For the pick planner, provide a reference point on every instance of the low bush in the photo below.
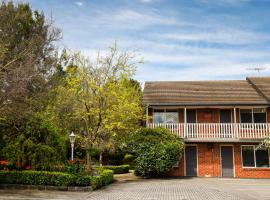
(156, 150)
(120, 169)
(71, 167)
(37, 178)
(105, 178)
(74, 168)
(83, 180)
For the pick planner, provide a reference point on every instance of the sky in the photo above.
(177, 39)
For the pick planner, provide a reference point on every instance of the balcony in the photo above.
(217, 131)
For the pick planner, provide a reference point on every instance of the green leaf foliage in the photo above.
(156, 150)
(105, 177)
(129, 159)
(38, 144)
(120, 169)
(37, 178)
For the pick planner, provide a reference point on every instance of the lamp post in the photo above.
(72, 141)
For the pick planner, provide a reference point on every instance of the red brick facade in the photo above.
(213, 126)
(247, 172)
(209, 159)
(209, 162)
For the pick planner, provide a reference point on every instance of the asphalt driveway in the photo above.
(169, 189)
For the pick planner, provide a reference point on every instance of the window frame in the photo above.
(254, 152)
(165, 116)
(252, 114)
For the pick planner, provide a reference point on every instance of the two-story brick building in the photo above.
(221, 123)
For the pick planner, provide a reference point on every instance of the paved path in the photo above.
(154, 189)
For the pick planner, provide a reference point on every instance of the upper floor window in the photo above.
(255, 115)
(166, 117)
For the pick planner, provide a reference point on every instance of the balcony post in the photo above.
(147, 116)
(185, 122)
(235, 125)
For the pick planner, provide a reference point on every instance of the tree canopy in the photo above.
(44, 94)
(100, 97)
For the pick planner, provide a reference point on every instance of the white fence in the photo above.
(217, 130)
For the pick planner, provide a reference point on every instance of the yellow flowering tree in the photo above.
(101, 98)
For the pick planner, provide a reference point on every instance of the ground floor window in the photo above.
(253, 157)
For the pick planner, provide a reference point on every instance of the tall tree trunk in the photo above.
(88, 160)
(100, 158)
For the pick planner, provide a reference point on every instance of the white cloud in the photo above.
(165, 61)
(222, 35)
(182, 51)
(79, 3)
(131, 19)
(200, 72)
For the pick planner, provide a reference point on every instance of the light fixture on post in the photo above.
(72, 141)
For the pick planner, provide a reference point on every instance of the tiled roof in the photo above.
(262, 85)
(205, 92)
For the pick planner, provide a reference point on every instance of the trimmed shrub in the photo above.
(120, 169)
(83, 180)
(156, 150)
(37, 178)
(56, 178)
(105, 178)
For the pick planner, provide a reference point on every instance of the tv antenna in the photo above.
(257, 69)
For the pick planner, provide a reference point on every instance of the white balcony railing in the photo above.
(217, 130)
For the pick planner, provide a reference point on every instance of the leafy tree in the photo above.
(27, 61)
(156, 151)
(37, 144)
(101, 98)
(27, 49)
(266, 143)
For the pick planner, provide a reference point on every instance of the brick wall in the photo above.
(247, 172)
(209, 163)
(208, 160)
(208, 115)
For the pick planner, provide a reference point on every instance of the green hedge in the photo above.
(37, 178)
(56, 178)
(120, 169)
(105, 178)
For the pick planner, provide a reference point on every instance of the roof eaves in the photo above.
(258, 90)
(209, 104)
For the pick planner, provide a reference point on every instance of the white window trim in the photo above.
(165, 116)
(252, 114)
(254, 152)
